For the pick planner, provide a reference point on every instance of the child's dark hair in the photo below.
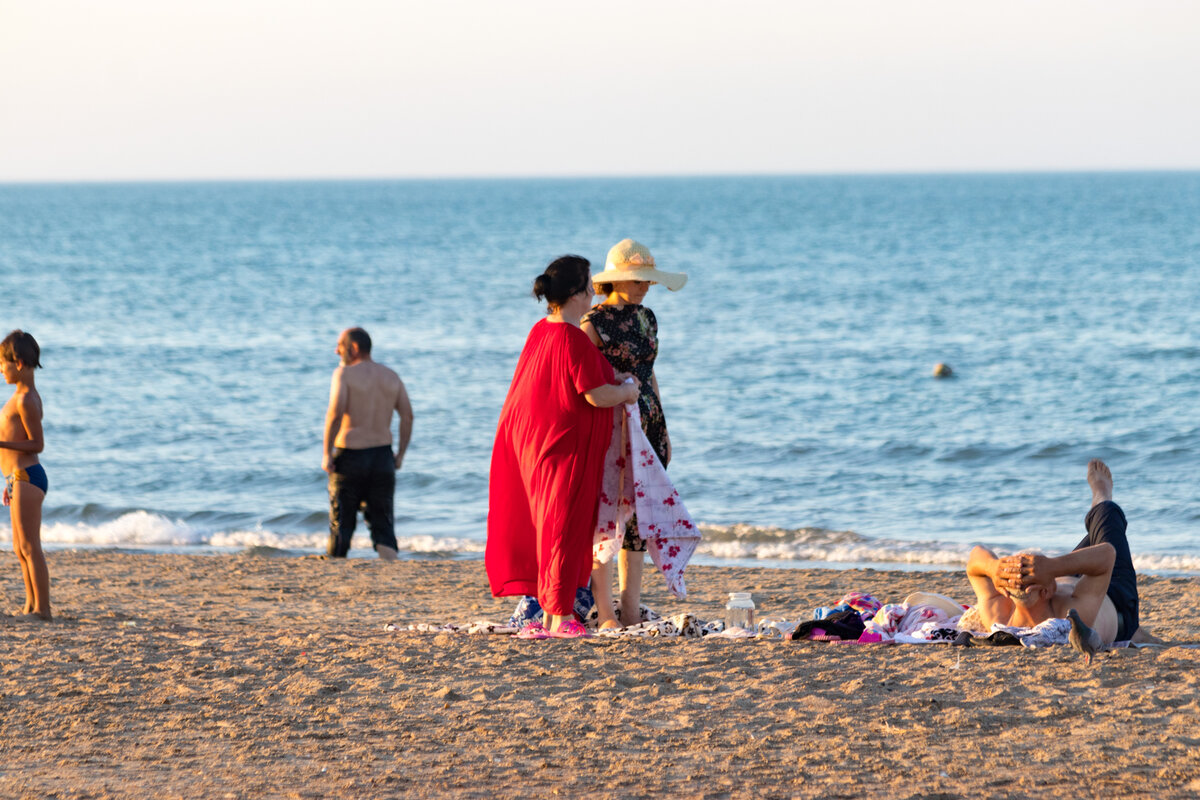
(20, 346)
(565, 277)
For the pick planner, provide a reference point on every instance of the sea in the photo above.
(188, 334)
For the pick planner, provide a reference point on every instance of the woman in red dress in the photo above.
(548, 458)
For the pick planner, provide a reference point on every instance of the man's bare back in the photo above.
(362, 397)
(372, 392)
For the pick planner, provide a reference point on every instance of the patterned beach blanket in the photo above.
(687, 626)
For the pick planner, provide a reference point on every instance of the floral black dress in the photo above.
(629, 340)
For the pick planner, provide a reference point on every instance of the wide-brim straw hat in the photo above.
(630, 261)
(947, 604)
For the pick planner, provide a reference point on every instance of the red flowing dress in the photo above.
(547, 465)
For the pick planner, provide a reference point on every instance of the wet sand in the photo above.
(259, 677)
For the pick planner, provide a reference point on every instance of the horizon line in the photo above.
(600, 176)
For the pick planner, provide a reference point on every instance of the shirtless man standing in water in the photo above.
(1096, 578)
(358, 445)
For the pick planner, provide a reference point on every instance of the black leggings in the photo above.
(361, 476)
(1106, 523)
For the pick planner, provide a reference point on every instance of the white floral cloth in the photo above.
(635, 481)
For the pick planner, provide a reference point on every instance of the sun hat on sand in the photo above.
(947, 604)
(630, 261)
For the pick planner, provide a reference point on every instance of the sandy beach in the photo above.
(257, 676)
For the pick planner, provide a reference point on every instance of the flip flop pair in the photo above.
(570, 629)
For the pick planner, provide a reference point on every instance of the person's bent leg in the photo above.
(1105, 522)
(27, 517)
(380, 497)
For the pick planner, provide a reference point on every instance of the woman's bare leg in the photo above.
(602, 593)
(632, 563)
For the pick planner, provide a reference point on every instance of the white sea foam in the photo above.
(433, 544)
(137, 528)
(143, 529)
(1152, 562)
(265, 538)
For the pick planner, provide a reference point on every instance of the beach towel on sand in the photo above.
(635, 480)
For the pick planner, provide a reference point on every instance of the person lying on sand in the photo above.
(1097, 578)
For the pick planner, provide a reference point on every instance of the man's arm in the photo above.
(404, 410)
(1093, 564)
(333, 417)
(983, 571)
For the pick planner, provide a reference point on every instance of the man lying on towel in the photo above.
(1096, 578)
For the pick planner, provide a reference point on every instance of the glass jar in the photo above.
(739, 611)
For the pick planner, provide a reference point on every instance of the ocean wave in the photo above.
(1153, 562)
(745, 533)
(738, 542)
(136, 528)
(743, 541)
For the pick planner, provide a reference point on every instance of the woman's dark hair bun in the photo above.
(564, 277)
(541, 285)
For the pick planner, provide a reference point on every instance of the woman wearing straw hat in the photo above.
(627, 334)
(548, 457)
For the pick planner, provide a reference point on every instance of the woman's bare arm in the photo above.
(610, 395)
(587, 327)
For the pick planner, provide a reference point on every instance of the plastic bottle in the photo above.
(739, 611)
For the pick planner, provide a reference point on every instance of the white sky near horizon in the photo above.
(166, 89)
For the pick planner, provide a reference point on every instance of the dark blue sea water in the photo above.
(188, 336)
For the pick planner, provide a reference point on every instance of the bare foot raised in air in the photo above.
(1100, 479)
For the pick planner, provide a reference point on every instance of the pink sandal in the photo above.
(533, 630)
(570, 629)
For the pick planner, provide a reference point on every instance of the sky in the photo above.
(227, 89)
